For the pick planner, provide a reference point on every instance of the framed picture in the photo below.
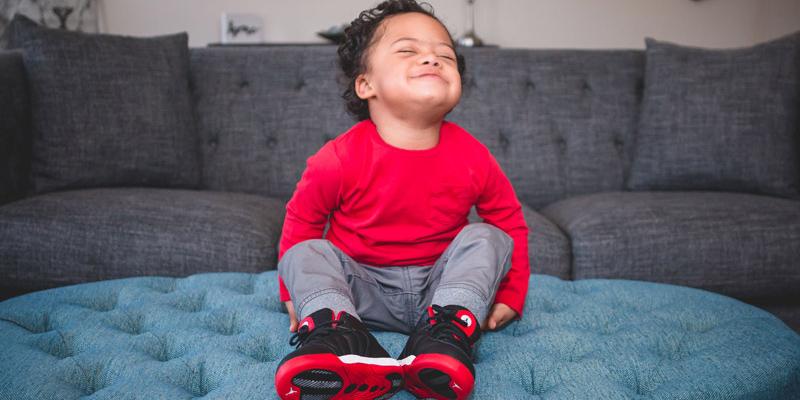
(241, 28)
(75, 15)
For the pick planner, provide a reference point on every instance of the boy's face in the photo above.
(411, 69)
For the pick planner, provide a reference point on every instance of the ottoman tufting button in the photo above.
(196, 382)
(161, 348)
(260, 349)
(55, 344)
(224, 323)
(164, 285)
(192, 302)
(132, 324)
(90, 376)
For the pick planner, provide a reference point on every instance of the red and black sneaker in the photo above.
(336, 358)
(437, 360)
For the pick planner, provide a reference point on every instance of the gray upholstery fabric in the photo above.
(720, 119)
(548, 247)
(559, 122)
(86, 235)
(15, 139)
(743, 245)
(108, 110)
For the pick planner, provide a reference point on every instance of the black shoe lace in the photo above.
(305, 336)
(443, 329)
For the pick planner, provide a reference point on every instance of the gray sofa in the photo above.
(563, 124)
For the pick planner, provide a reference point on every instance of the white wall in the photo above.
(508, 23)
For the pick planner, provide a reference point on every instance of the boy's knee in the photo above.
(495, 237)
(482, 230)
(304, 247)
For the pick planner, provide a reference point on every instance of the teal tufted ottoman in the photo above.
(220, 336)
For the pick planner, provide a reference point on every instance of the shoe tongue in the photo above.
(345, 319)
(317, 318)
(470, 326)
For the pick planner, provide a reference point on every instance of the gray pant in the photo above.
(393, 298)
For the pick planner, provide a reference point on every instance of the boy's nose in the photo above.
(429, 57)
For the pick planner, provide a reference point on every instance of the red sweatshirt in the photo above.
(394, 207)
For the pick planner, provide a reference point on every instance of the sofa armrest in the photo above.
(15, 128)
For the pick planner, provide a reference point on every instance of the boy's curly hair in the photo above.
(358, 38)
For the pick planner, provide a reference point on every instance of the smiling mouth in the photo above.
(430, 76)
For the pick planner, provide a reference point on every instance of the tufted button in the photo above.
(301, 83)
(224, 323)
(161, 348)
(54, 343)
(196, 381)
(586, 87)
(272, 142)
(213, 141)
(619, 143)
(260, 348)
(561, 143)
(503, 140)
(88, 376)
(191, 302)
(164, 285)
(130, 324)
(244, 83)
(531, 85)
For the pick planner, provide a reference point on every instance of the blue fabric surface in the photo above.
(221, 335)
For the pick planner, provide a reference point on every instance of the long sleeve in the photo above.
(317, 194)
(498, 206)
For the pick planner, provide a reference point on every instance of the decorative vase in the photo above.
(469, 38)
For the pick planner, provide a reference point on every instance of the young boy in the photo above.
(399, 254)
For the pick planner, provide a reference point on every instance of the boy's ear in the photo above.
(363, 89)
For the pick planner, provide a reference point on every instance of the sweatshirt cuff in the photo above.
(511, 299)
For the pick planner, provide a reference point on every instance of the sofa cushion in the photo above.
(720, 119)
(548, 246)
(108, 110)
(740, 244)
(86, 235)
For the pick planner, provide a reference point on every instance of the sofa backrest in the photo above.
(560, 122)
